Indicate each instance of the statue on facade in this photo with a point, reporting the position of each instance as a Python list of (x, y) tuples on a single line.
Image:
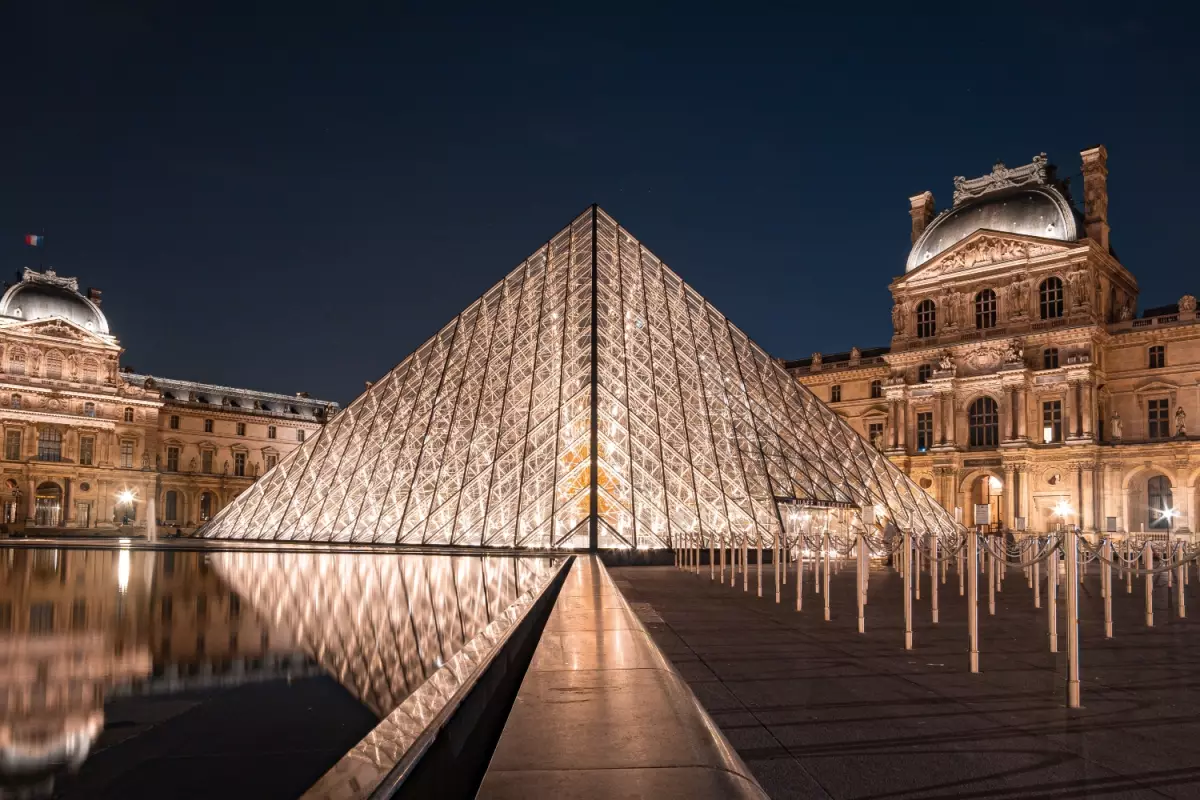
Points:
[(1014, 355), (946, 362), (1126, 312), (1116, 425), (225, 467), (1180, 422), (192, 465), (816, 361), (877, 440), (898, 318), (855, 356), (1187, 304)]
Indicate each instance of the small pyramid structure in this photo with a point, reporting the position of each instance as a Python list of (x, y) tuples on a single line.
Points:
[(589, 400)]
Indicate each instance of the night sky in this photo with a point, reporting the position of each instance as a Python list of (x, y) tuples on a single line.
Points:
[(294, 201)]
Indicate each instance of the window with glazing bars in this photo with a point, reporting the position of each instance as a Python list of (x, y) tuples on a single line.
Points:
[(926, 319), (1052, 427), (924, 431), (1050, 358), (1157, 356), (1159, 426), (985, 309), (983, 423), (1050, 296)]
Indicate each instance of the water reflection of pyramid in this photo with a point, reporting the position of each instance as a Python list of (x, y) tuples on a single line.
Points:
[(591, 398), (380, 624)]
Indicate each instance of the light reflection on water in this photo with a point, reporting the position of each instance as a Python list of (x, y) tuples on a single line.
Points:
[(79, 628)]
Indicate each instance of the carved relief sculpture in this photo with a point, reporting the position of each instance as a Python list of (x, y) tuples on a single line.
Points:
[(855, 356), (1180, 422), (1116, 426), (816, 361), (1187, 304)]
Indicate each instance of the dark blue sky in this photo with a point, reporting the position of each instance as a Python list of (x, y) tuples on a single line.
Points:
[(294, 200)]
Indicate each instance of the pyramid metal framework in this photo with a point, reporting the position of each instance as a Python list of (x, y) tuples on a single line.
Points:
[(591, 399)]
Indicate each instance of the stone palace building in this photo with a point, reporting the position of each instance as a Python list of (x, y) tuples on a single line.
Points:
[(87, 444), (1020, 375)]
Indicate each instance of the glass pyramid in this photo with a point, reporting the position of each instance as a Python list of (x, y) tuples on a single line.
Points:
[(591, 399)]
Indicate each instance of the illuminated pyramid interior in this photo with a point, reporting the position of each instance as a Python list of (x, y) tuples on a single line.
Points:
[(591, 399)]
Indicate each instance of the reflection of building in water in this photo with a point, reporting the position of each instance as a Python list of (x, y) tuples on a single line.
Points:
[(78, 626), (78, 429)]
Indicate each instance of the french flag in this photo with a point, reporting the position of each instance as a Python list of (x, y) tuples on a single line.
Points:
[(34, 241)]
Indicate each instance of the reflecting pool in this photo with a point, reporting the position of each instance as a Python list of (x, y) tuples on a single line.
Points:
[(137, 673)]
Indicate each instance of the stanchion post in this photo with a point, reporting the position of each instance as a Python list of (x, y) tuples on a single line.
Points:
[(1181, 571), (990, 557), (908, 590), (1072, 587), (758, 552), (778, 571), (826, 543), (973, 599), (1106, 552), (1148, 563), (800, 572), (1052, 598), (933, 575), (861, 582)]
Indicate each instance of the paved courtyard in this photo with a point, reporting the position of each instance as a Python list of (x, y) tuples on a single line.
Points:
[(818, 710)]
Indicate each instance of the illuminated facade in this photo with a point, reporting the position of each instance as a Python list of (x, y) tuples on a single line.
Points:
[(80, 433), (591, 399), (1019, 375)]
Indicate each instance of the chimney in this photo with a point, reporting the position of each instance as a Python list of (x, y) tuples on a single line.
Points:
[(94, 295), (1095, 194), (302, 394), (921, 211)]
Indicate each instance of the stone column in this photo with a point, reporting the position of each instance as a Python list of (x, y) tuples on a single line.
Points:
[(1069, 412), (1075, 498), (1085, 390), (31, 504), (1010, 495), (951, 418), (68, 512), (1087, 503), (1014, 413), (893, 417), (938, 430), (902, 423), (1023, 416)]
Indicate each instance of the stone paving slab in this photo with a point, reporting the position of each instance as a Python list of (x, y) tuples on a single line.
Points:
[(817, 710)]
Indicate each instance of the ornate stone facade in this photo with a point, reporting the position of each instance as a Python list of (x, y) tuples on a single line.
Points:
[(81, 435), (1018, 374)]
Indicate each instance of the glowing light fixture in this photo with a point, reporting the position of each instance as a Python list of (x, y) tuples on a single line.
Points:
[(1063, 509), (126, 497)]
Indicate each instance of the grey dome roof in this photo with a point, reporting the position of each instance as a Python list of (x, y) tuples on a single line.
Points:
[(30, 300), (1040, 211)]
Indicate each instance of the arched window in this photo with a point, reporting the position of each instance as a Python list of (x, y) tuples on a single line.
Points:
[(876, 389), (171, 507), (89, 409), (54, 365), (1159, 501), (206, 506), (983, 423), (1050, 358), (985, 310), (1050, 295), (926, 319), (924, 373), (16, 362), (129, 415)]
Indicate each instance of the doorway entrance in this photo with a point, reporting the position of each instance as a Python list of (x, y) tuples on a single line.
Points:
[(48, 509), (988, 490)]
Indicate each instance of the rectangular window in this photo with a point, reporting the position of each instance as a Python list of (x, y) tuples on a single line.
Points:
[(1158, 356), (49, 444), (87, 450), (174, 422), (126, 454), (299, 436), (206, 459), (241, 429), (239, 464), (924, 431), (1159, 426), (272, 460), (79, 615), (172, 459), (270, 431), (1052, 428), (835, 393), (208, 423), (1050, 358), (12, 445), (41, 618), (875, 434)]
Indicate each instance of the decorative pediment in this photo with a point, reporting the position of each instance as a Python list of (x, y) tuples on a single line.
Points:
[(982, 248), (56, 329)]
